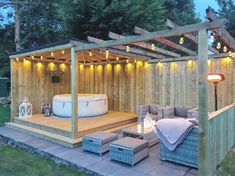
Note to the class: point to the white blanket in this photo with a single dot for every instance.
(172, 132)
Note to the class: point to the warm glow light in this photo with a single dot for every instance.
(215, 77)
(63, 67)
(181, 40)
(135, 61)
(51, 66)
(17, 59)
(62, 52)
(127, 48)
(153, 47)
(41, 57)
(225, 49)
(127, 61)
(33, 57)
(230, 53)
(107, 54)
(91, 66)
(24, 59)
(52, 54)
(209, 62)
(117, 58)
(90, 53)
(218, 46)
(190, 64)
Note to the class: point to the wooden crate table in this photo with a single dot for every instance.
(139, 131)
(98, 142)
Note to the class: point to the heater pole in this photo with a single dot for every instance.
(216, 106)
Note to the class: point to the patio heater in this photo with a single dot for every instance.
(215, 78)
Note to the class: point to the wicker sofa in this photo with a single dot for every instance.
(187, 152)
(152, 109)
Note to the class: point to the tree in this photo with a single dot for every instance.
(227, 10)
(181, 12)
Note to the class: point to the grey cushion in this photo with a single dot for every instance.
(153, 116)
(153, 109)
(104, 137)
(181, 110)
(132, 143)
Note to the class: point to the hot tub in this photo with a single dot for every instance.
(88, 105)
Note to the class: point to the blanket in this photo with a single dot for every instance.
(172, 132)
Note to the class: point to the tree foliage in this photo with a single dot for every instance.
(227, 10)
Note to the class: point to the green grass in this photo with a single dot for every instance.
(227, 167)
(4, 115)
(17, 162)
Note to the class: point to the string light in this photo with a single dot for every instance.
(17, 59)
(230, 53)
(41, 57)
(225, 49)
(127, 61)
(24, 59)
(33, 57)
(90, 53)
(212, 37)
(218, 46)
(127, 48)
(107, 54)
(135, 61)
(62, 52)
(153, 47)
(181, 40)
(52, 54)
(117, 58)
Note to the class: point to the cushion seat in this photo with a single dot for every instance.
(104, 137)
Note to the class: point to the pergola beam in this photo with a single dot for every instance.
(144, 45)
(166, 42)
(120, 50)
(153, 35)
(191, 37)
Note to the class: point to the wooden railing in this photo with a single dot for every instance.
(221, 134)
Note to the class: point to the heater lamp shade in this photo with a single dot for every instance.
(215, 77)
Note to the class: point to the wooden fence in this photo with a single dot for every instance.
(221, 134)
(127, 85)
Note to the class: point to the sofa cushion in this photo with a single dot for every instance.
(153, 109)
(181, 110)
(104, 137)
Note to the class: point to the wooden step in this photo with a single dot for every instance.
(59, 139)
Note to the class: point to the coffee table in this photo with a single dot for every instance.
(139, 131)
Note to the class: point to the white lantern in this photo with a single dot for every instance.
(25, 109)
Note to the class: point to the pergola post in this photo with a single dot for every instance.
(74, 92)
(204, 153)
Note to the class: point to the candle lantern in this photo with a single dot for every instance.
(25, 109)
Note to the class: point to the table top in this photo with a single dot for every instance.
(138, 129)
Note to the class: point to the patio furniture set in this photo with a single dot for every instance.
(136, 140)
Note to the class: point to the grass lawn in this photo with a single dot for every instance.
(4, 115)
(17, 162)
(227, 167)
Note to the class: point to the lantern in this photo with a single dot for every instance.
(25, 109)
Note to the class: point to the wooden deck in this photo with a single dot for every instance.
(112, 121)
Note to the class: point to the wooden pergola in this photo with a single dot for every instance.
(151, 47)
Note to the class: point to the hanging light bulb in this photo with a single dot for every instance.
(135, 61)
(233, 55)
(90, 53)
(181, 40)
(33, 57)
(41, 57)
(62, 52)
(24, 59)
(117, 58)
(230, 53)
(127, 48)
(52, 54)
(127, 61)
(17, 59)
(107, 54)
(212, 37)
(225, 49)
(153, 46)
(218, 46)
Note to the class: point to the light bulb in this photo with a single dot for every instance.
(135, 61)
(41, 57)
(225, 49)
(62, 52)
(117, 58)
(230, 53)
(32, 57)
(127, 48)
(90, 53)
(107, 54)
(212, 38)
(17, 59)
(127, 61)
(218, 46)
(52, 54)
(153, 47)
(181, 40)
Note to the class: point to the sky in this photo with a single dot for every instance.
(200, 6)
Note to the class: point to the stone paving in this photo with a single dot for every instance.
(93, 164)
